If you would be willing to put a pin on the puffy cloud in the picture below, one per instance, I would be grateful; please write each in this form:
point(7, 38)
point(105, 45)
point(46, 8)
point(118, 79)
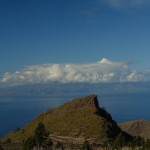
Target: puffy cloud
point(101, 71)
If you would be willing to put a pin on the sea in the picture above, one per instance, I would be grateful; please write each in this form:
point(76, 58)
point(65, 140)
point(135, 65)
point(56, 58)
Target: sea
point(16, 112)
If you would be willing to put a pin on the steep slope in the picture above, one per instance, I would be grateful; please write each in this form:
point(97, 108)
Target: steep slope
point(137, 128)
point(80, 118)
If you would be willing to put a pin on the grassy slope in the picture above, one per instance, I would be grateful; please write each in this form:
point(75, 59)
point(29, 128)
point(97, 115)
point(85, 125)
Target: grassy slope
point(77, 118)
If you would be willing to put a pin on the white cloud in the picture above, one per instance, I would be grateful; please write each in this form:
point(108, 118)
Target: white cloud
point(101, 71)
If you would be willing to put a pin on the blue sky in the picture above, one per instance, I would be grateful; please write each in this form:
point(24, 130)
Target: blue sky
point(40, 32)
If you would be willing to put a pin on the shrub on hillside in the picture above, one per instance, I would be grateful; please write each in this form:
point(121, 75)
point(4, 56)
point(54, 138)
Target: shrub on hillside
point(40, 139)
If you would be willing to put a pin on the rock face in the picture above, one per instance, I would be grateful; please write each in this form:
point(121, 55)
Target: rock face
point(137, 128)
point(77, 119)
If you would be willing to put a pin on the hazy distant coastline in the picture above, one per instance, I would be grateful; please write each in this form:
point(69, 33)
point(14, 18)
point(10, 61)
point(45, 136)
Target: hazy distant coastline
point(57, 89)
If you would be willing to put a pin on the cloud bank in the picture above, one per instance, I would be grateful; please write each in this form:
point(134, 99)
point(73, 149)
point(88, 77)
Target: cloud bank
point(101, 71)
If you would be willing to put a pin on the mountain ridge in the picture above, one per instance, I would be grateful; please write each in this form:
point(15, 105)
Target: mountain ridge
point(137, 128)
point(73, 123)
point(81, 117)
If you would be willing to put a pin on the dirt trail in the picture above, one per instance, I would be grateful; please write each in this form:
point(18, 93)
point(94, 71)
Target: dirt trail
point(67, 139)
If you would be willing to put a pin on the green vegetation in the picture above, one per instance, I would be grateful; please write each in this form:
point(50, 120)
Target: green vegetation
point(125, 140)
point(29, 143)
point(147, 144)
point(86, 145)
point(40, 134)
point(120, 141)
point(59, 146)
point(40, 138)
point(1, 148)
point(8, 141)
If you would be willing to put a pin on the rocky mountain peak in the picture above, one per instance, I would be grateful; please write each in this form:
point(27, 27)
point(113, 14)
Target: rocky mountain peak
point(88, 101)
